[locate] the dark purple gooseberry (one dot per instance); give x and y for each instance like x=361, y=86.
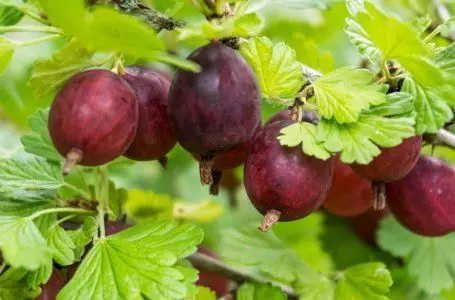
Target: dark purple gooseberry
x=216, y=110
x=424, y=200
x=283, y=183
x=93, y=118
x=392, y=164
x=154, y=137
x=53, y=286
x=307, y=116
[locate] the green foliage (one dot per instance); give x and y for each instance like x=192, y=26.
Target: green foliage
x=250, y=291
x=10, y=15
x=13, y=285
x=279, y=74
x=82, y=237
x=39, y=142
x=7, y=48
x=344, y=93
x=429, y=260
x=138, y=261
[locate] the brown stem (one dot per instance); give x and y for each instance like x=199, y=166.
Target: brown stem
x=72, y=158
x=163, y=161
x=269, y=220
x=215, y=186
x=379, y=195
x=205, y=169
x=209, y=264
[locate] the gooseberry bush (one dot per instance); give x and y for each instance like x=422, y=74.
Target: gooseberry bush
x=227, y=149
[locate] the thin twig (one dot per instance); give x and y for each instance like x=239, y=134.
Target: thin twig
x=207, y=263
x=444, y=137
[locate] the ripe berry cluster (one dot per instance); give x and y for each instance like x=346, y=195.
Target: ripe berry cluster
x=216, y=116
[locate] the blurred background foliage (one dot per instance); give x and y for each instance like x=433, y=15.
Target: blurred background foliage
x=325, y=242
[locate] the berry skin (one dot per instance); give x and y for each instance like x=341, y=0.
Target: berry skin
x=424, y=200
x=53, y=285
x=283, y=183
x=393, y=163
x=215, y=282
x=93, y=118
x=349, y=194
x=154, y=137
x=216, y=110
x=307, y=116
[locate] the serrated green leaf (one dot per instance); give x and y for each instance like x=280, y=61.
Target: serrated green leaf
x=445, y=59
x=10, y=15
x=430, y=106
x=305, y=134
x=23, y=203
x=355, y=6
x=83, y=236
x=429, y=260
x=396, y=104
x=39, y=142
x=359, y=38
x=13, y=285
x=200, y=212
x=31, y=174
x=344, y=93
x=279, y=75
x=50, y=74
x=271, y=256
x=40, y=276
x=30, y=250
x=365, y=281
x=204, y=293
x=358, y=142
x=423, y=70
x=7, y=48
x=315, y=287
x=421, y=24
x=106, y=29
x=250, y=291
x=61, y=244
x=138, y=262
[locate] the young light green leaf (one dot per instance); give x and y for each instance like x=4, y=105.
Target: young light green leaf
x=7, y=48
x=359, y=38
x=106, y=29
x=429, y=260
x=250, y=291
x=432, y=111
x=355, y=6
x=10, y=15
x=359, y=142
x=50, y=74
x=39, y=142
x=396, y=104
x=30, y=250
x=138, y=262
x=344, y=93
x=445, y=59
x=305, y=134
x=30, y=174
x=308, y=52
x=279, y=75
x=423, y=70
x=40, y=276
x=315, y=287
x=61, y=244
x=203, y=293
x=179, y=239
x=143, y=206
x=365, y=281
x=271, y=256
x=421, y=24
x=201, y=212
x=82, y=236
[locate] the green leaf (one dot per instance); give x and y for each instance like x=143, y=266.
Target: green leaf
x=61, y=244
x=429, y=260
x=250, y=291
x=345, y=92
x=315, y=287
x=271, y=256
x=13, y=285
x=138, y=262
x=39, y=142
x=423, y=70
x=142, y=205
x=308, y=52
x=106, y=29
x=355, y=6
x=396, y=104
x=50, y=74
x=365, y=281
x=305, y=134
x=203, y=293
x=445, y=59
x=359, y=38
x=201, y=212
x=279, y=75
x=7, y=48
x=30, y=174
x=83, y=236
x=432, y=111
x=23, y=203
x=22, y=244
x=10, y=15
x=359, y=142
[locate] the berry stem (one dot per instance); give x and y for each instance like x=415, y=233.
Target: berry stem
x=205, y=169
x=43, y=29
x=215, y=186
x=379, y=195
x=270, y=219
x=72, y=158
